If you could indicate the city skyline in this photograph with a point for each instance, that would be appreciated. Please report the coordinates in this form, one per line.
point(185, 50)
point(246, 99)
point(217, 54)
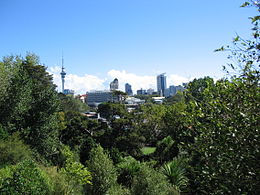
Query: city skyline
point(113, 84)
point(130, 40)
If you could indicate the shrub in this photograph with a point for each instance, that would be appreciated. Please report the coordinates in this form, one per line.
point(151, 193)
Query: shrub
point(150, 182)
point(175, 173)
point(13, 151)
point(127, 170)
point(27, 178)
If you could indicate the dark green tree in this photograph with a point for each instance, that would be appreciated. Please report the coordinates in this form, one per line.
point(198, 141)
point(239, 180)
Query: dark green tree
point(103, 171)
point(108, 110)
point(30, 103)
point(69, 103)
point(150, 182)
point(27, 178)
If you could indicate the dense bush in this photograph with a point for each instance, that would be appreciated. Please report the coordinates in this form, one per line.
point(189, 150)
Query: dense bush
point(26, 178)
point(13, 151)
point(150, 182)
point(128, 169)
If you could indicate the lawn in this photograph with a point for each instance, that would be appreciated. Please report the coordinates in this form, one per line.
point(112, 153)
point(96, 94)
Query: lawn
point(148, 150)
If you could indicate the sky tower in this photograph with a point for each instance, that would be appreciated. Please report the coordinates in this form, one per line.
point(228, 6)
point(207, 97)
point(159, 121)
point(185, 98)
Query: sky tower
point(63, 73)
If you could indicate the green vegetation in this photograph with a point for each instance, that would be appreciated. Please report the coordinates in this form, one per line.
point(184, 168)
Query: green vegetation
point(202, 141)
point(26, 178)
point(103, 171)
point(148, 150)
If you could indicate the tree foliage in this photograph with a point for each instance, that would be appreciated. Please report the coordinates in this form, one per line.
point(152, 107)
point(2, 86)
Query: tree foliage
point(26, 178)
point(150, 182)
point(226, 149)
point(76, 175)
point(13, 151)
point(103, 171)
point(30, 103)
point(70, 103)
point(176, 174)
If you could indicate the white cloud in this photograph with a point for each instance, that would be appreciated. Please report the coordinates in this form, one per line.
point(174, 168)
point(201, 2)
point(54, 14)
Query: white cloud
point(174, 79)
point(136, 81)
point(82, 84)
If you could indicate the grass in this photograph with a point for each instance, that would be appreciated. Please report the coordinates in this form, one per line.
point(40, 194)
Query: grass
point(148, 150)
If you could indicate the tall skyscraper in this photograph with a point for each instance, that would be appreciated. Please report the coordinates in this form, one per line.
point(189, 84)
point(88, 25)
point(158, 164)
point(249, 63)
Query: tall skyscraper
point(128, 89)
point(172, 89)
point(114, 84)
point(63, 73)
point(161, 84)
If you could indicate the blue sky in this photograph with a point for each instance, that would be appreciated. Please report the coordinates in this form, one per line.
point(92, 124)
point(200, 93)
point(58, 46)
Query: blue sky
point(130, 39)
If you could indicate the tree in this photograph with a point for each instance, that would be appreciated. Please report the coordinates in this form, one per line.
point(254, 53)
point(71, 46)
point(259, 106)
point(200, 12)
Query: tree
point(30, 103)
point(69, 103)
point(75, 173)
point(108, 110)
point(27, 178)
point(103, 171)
point(224, 157)
point(76, 129)
point(13, 151)
point(150, 182)
point(197, 87)
point(150, 123)
point(176, 174)
point(128, 169)
point(166, 150)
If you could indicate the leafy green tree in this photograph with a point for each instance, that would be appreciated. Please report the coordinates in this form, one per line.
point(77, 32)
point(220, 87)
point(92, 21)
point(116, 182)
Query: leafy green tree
point(150, 123)
point(27, 178)
point(120, 95)
point(176, 174)
point(226, 151)
point(197, 87)
point(69, 103)
point(126, 138)
point(13, 151)
point(76, 130)
point(103, 171)
point(128, 169)
point(30, 103)
point(178, 97)
point(150, 182)
point(108, 110)
point(177, 124)
point(118, 190)
point(75, 173)
point(166, 150)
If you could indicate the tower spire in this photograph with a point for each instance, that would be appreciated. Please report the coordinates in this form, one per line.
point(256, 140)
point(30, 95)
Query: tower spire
point(63, 73)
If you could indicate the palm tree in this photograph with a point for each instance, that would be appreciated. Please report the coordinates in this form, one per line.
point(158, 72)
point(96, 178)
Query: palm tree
point(175, 172)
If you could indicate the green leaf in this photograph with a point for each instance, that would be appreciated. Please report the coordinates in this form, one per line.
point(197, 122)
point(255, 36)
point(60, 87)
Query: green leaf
point(245, 4)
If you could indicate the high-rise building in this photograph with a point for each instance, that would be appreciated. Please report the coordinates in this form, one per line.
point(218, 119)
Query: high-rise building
point(128, 89)
point(141, 92)
point(114, 84)
point(172, 89)
point(161, 84)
